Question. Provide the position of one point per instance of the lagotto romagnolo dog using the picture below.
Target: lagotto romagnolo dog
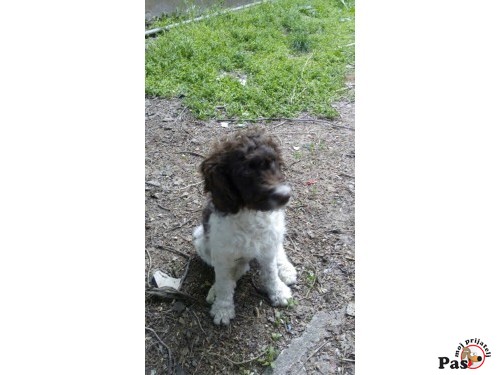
(244, 219)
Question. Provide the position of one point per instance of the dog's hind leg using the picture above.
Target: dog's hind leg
(200, 244)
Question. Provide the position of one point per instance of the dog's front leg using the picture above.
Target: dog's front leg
(286, 270)
(223, 291)
(278, 292)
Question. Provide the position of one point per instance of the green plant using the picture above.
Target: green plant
(297, 155)
(294, 58)
(269, 357)
(276, 336)
(292, 303)
(311, 278)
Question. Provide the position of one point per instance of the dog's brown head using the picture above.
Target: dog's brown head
(245, 172)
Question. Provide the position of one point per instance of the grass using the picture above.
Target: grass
(276, 59)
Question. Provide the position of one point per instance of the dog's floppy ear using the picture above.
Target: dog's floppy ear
(225, 196)
(465, 353)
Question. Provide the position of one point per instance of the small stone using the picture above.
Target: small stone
(350, 309)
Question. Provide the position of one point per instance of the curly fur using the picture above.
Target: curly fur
(244, 220)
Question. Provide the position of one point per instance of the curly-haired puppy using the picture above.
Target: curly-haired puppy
(244, 219)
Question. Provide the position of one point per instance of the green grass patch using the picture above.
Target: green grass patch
(276, 59)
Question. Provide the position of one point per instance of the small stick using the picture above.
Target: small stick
(179, 226)
(347, 360)
(198, 320)
(191, 153)
(149, 265)
(155, 184)
(313, 353)
(171, 249)
(171, 293)
(188, 186)
(346, 175)
(161, 342)
(238, 363)
(185, 273)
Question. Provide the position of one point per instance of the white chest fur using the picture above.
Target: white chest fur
(247, 234)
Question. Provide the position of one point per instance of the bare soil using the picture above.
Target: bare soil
(180, 336)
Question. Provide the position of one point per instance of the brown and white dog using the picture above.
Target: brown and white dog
(244, 219)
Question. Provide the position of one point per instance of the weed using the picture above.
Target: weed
(270, 355)
(314, 191)
(297, 155)
(292, 303)
(276, 336)
(311, 278)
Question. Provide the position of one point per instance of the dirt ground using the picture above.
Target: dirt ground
(180, 336)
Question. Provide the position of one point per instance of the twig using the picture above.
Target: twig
(347, 360)
(170, 364)
(237, 363)
(289, 119)
(199, 364)
(179, 226)
(188, 186)
(149, 265)
(152, 183)
(278, 125)
(292, 164)
(293, 243)
(171, 249)
(190, 153)
(163, 208)
(168, 292)
(198, 320)
(313, 353)
(180, 115)
(295, 207)
(183, 277)
(346, 175)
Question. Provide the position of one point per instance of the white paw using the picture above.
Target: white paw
(198, 231)
(280, 296)
(222, 313)
(287, 273)
(211, 295)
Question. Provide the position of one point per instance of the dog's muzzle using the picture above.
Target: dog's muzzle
(281, 194)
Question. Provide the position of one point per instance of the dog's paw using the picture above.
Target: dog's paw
(222, 314)
(211, 295)
(287, 273)
(280, 296)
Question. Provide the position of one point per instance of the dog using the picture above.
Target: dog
(244, 219)
(471, 357)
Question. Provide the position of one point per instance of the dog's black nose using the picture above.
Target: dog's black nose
(281, 194)
(479, 358)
